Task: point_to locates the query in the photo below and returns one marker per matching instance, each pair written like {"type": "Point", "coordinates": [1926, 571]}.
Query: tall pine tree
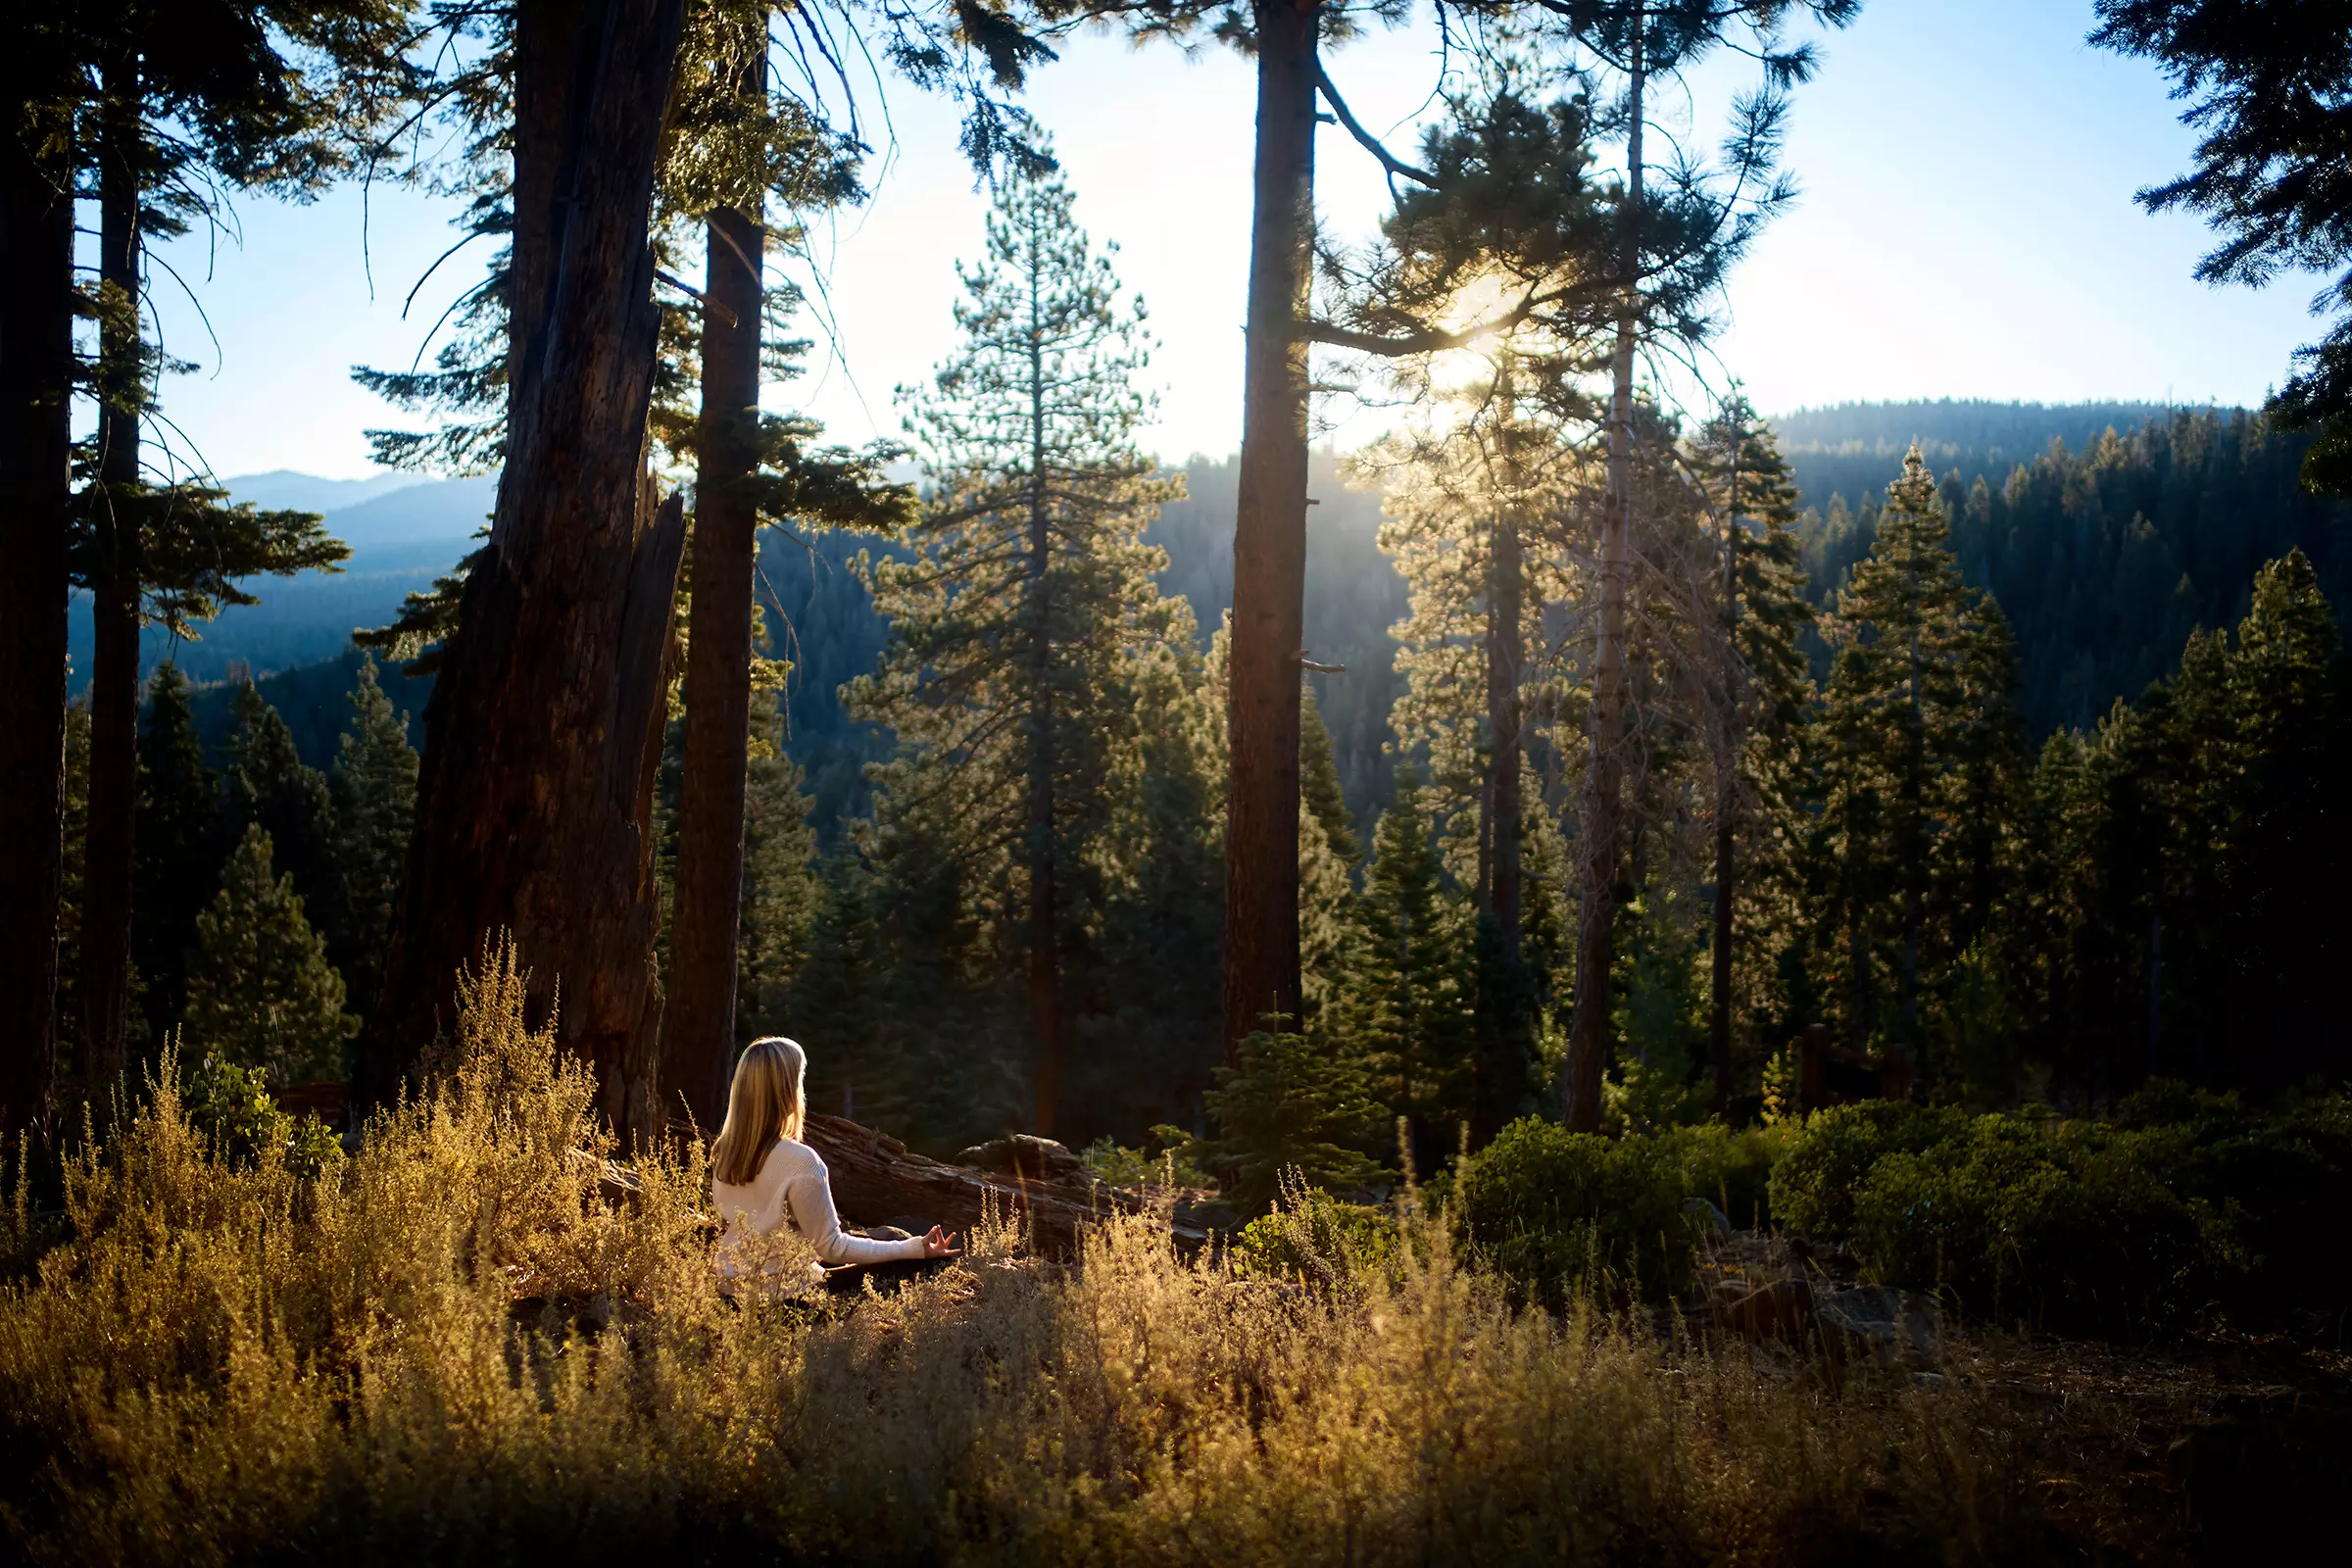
{"type": "Point", "coordinates": [1020, 624]}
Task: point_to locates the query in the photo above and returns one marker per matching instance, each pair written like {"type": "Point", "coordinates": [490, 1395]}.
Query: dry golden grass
{"type": "Point", "coordinates": [451, 1348]}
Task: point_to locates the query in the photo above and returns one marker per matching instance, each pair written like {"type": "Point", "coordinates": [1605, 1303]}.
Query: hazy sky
{"type": "Point", "coordinates": [1967, 230]}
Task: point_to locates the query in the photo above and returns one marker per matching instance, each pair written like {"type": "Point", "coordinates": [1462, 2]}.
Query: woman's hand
{"type": "Point", "coordinates": [938, 1243]}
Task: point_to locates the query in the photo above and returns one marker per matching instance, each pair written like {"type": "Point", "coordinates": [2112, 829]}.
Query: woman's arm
{"type": "Point", "coordinates": [809, 1196]}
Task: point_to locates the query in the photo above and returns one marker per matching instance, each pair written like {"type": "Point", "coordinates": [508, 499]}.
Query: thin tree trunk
{"type": "Point", "coordinates": [36, 367]}
{"type": "Point", "coordinates": [1269, 538]}
{"type": "Point", "coordinates": [105, 978]}
{"type": "Point", "coordinates": [1501, 1074]}
{"type": "Point", "coordinates": [1045, 930]}
{"type": "Point", "coordinates": [1727, 792]}
{"type": "Point", "coordinates": [1506, 654]}
{"type": "Point", "coordinates": [535, 795]}
{"type": "Point", "coordinates": [1604, 779]}
{"type": "Point", "coordinates": [2155, 993]}
{"type": "Point", "coordinates": [697, 1031]}
{"type": "Point", "coordinates": [1915, 868]}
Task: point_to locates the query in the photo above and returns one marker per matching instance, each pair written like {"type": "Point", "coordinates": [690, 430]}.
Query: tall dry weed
{"type": "Point", "coordinates": [454, 1346]}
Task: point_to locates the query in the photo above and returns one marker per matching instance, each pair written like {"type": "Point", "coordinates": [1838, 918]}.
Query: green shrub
{"type": "Point", "coordinates": [1561, 1212]}
{"type": "Point", "coordinates": [1813, 1185]}
{"type": "Point", "coordinates": [2070, 1228]}
{"type": "Point", "coordinates": [230, 1106]}
{"type": "Point", "coordinates": [2183, 1203]}
{"type": "Point", "coordinates": [1730, 1167]}
{"type": "Point", "coordinates": [1312, 1235]}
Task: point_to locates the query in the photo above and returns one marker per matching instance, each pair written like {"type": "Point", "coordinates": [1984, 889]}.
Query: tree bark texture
{"type": "Point", "coordinates": [106, 914]}
{"type": "Point", "coordinates": [697, 1030]}
{"type": "Point", "coordinates": [1044, 924]}
{"type": "Point", "coordinates": [1604, 826]}
{"type": "Point", "coordinates": [534, 801]}
{"type": "Point", "coordinates": [37, 370]}
{"type": "Point", "coordinates": [1269, 538]}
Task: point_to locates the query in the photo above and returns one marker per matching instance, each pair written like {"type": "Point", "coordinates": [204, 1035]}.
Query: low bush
{"type": "Point", "coordinates": [1314, 1238]}
{"type": "Point", "coordinates": [1563, 1215]}
{"type": "Point", "coordinates": [2185, 1204]}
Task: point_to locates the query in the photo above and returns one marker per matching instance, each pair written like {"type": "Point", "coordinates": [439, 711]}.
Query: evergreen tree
{"type": "Point", "coordinates": [177, 850]}
{"type": "Point", "coordinates": [260, 993]}
{"type": "Point", "coordinates": [1759, 698]}
{"type": "Point", "coordinates": [1020, 623]}
{"type": "Point", "coordinates": [269, 786]}
{"type": "Point", "coordinates": [1319, 783]}
{"type": "Point", "coordinates": [1407, 1005]}
{"type": "Point", "coordinates": [782, 894]}
{"type": "Point", "coordinates": [1917, 765]}
{"type": "Point", "coordinates": [373, 789]}
{"type": "Point", "coordinates": [1291, 1109]}
{"type": "Point", "coordinates": [183, 101]}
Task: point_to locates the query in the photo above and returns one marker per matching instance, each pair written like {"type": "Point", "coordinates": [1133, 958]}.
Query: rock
{"type": "Point", "coordinates": [1027, 1158]}
{"type": "Point", "coordinates": [1889, 1326]}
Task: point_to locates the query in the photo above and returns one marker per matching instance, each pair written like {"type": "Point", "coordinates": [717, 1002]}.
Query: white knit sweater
{"type": "Point", "coordinates": [792, 1188]}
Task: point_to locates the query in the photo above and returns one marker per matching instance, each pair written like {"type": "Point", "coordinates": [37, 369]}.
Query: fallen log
{"type": "Point", "coordinates": [878, 1181]}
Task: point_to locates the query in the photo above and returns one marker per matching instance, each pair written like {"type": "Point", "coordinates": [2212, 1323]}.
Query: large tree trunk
{"type": "Point", "coordinates": [534, 799]}
{"type": "Point", "coordinates": [1045, 925]}
{"type": "Point", "coordinates": [1269, 538]}
{"type": "Point", "coordinates": [36, 368]}
{"type": "Point", "coordinates": [105, 978]}
{"type": "Point", "coordinates": [1603, 827]}
{"type": "Point", "coordinates": [697, 1031]}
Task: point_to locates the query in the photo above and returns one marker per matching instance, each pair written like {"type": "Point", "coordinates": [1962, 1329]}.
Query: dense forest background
{"type": "Point", "coordinates": [2108, 531]}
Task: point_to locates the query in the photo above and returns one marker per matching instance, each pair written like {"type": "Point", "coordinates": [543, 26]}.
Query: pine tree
{"type": "Point", "coordinates": [1759, 698]}
{"type": "Point", "coordinates": [782, 894]}
{"type": "Point", "coordinates": [1407, 1005]}
{"type": "Point", "coordinates": [177, 850]}
{"type": "Point", "coordinates": [184, 101]}
{"type": "Point", "coordinates": [1012, 675]}
{"type": "Point", "coordinates": [373, 789]}
{"type": "Point", "coordinates": [269, 786]}
{"type": "Point", "coordinates": [1919, 753]}
{"type": "Point", "coordinates": [260, 993]}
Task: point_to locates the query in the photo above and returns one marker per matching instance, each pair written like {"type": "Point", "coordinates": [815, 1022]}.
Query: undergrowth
{"type": "Point", "coordinates": [453, 1346]}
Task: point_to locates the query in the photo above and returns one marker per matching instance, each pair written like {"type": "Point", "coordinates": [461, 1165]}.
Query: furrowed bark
{"type": "Point", "coordinates": [105, 978]}
{"type": "Point", "coordinates": [1269, 538]}
{"type": "Point", "coordinates": [1603, 827]}
{"type": "Point", "coordinates": [534, 809]}
{"type": "Point", "coordinates": [36, 367]}
{"type": "Point", "coordinates": [697, 1031]}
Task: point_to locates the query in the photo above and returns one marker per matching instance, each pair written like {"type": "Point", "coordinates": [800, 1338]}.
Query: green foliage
{"type": "Point", "coordinates": [1567, 1214]}
{"type": "Point", "coordinates": [1311, 1236]}
{"type": "Point", "coordinates": [1290, 1108]}
{"type": "Point", "coordinates": [1403, 1002]}
{"type": "Point", "coordinates": [261, 992]}
{"type": "Point", "coordinates": [231, 1106]}
{"type": "Point", "coordinates": [2185, 1203]}
{"type": "Point", "coordinates": [1813, 1186]}
{"type": "Point", "coordinates": [375, 792]}
{"type": "Point", "coordinates": [176, 846]}
{"type": "Point", "coordinates": [1168, 1155]}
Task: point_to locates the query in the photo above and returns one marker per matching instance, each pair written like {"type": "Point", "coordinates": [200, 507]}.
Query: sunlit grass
{"type": "Point", "coordinates": [453, 1346]}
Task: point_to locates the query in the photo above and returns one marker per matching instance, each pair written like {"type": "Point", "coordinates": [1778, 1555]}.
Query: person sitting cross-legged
{"type": "Point", "coordinates": [763, 1179]}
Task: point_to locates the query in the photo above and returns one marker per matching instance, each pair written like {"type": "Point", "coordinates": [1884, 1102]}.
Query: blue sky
{"type": "Point", "coordinates": [1967, 230]}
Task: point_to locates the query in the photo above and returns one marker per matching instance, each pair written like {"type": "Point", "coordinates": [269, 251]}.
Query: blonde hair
{"type": "Point", "coordinates": [765, 1103]}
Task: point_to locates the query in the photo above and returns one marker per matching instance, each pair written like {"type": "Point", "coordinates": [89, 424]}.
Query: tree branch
{"type": "Point", "coordinates": [1371, 144]}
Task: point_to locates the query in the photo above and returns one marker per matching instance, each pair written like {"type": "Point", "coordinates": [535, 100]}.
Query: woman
{"type": "Point", "coordinates": [763, 1177]}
